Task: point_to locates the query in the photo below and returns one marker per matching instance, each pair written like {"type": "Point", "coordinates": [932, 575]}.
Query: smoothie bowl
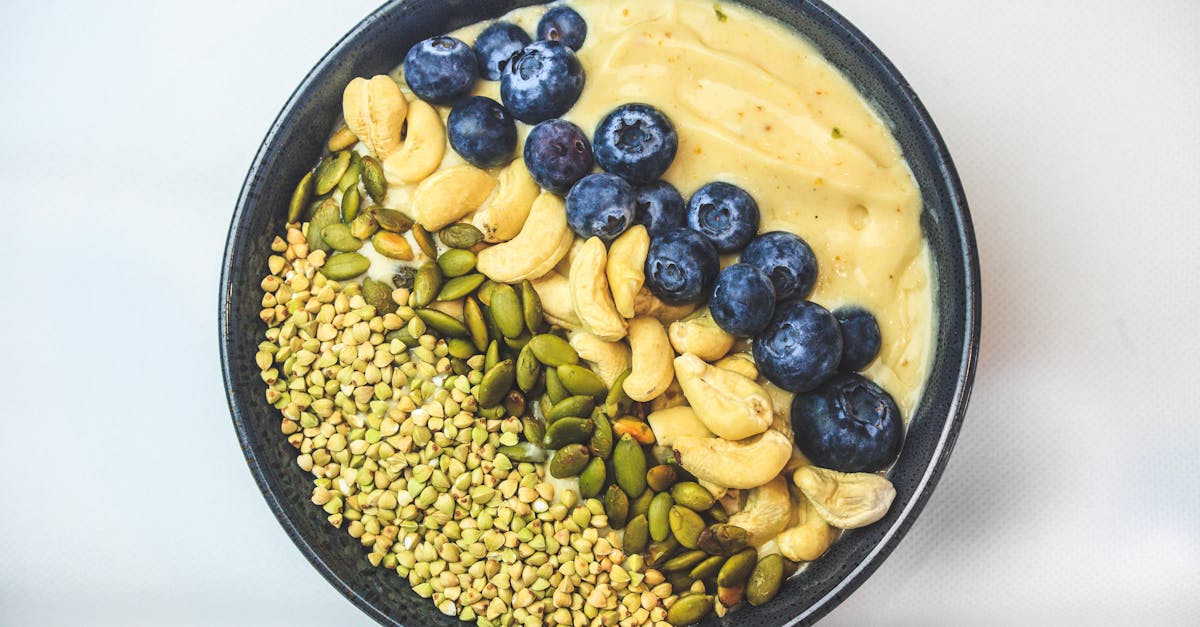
{"type": "Point", "coordinates": [599, 313]}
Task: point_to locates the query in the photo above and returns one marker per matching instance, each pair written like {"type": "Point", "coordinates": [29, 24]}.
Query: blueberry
{"type": "Point", "coordinates": [441, 69]}
{"type": "Point", "coordinates": [681, 267]}
{"type": "Point", "coordinates": [496, 45]}
{"type": "Point", "coordinates": [801, 346]}
{"type": "Point", "coordinates": [541, 81]}
{"type": "Point", "coordinates": [557, 154]}
{"type": "Point", "coordinates": [785, 258]}
{"type": "Point", "coordinates": [848, 424]}
{"type": "Point", "coordinates": [600, 205]}
{"type": "Point", "coordinates": [635, 141]}
{"type": "Point", "coordinates": [482, 132]}
{"type": "Point", "coordinates": [563, 24]}
{"type": "Point", "coordinates": [743, 300]}
{"type": "Point", "coordinates": [725, 214]}
{"type": "Point", "coordinates": [659, 207]}
{"type": "Point", "coordinates": [860, 337]}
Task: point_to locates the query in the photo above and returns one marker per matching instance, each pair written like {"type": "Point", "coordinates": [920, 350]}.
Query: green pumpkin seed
{"type": "Point", "coordinates": [693, 495]}
{"type": "Point", "coordinates": [300, 198]}
{"type": "Point", "coordinates": [533, 429]}
{"type": "Point", "coordinates": [327, 213]}
{"type": "Point", "coordinates": [690, 608]}
{"type": "Point", "coordinates": [554, 388]}
{"type": "Point", "coordinates": [424, 241]}
{"type": "Point", "coordinates": [392, 245]}
{"type": "Point", "coordinates": [460, 348]}
{"type": "Point", "coordinates": [659, 552]}
{"type": "Point", "coordinates": [723, 539]}
{"type": "Point", "coordinates": [338, 236]}
{"type": "Point", "coordinates": [684, 561]}
{"type": "Point", "coordinates": [426, 285]}
{"type": "Point", "coordinates": [455, 262]}
{"type": "Point", "coordinates": [460, 235]}
{"type": "Point", "coordinates": [444, 324]}
{"type": "Point", "coordinates": [404, 336]}
{"type": "Point", "coordinates": [686, 526]}
{"type": "Point", "coordinates": [731, 595]}
{"type": "Point", "coordinates": [473, 318]}
{"type": "Point", "coordinates": [342, 139]}
{"type": "Point", "coordinates": [350, 204]}
{"type": "Point", "coordinates": [637, 535]}
{"type": "Point", "coordinates": [506, 310]}
{"type": "Point", "coordinates": [571, 407]}
{"type": "Point", "coordinates": [616, 506]}
{"type": "Point", "coordinates": [343, 266]}
{"type": "Point", "coordinates": [567, 431]}
{"type": "Point", "coordinates": [581, 381]}
{"type": "Point", "coordinates": [391, 220]}
{"type": "Point", "coordinates": [350, 178]}
{"type": "Point", "coordinates": [660, 477]}
{"type": "Point", "coordinates": [514, 403]}
{"type": "Point", "coordinates": [553, 351]}
{"type": "Point", "coordinates": [492, 356]}
{"type": "Point", "coordinates": [737, 568]}
{"type": "Point", "coordinates": [529, 371]}
{"type": "Point", "coordinates": [329, 172]}
{"type": "Point", "coordinates": [363, 226]}
{"type": "Point", "coordinates": [764, 582]}
{"type": "Point", "coordinates": [641, 505]}
{"type": "Point", "coordinates": [460, 286]}
{"type": "Point", "coordinates": [378, 295]}
{"type": "Point", "coordinates": [718, 514]}
{"type": "Point", "coordinates": [531, 306]}
{"type": "Point", "coordinates": [617, 402]}
{"type": "Point", "coordinates": [602, 438]}
{"type": "Point", "coordinates": [568, 461]}
{"type": "Point", "coordinates": [485, 292]}
{"type": "Point", "coordinates": [373, 179]}
{"type": "Point", "coordinates": [629, 466]}
{"type": "Point", "coordinates": [708, 568]}
{"type": "Point", "coordinates": [523, 452]}
{"type": "Point", "coordinates": [517, 343]}
{"type": "Point", "coordinates": [680, 582]}
{"type": "Point", "coordinates": [591, 482]}
{"type": "Point", "coordinates": [497, 381]}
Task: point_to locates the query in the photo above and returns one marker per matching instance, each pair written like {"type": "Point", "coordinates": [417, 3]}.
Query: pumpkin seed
{"type": "Point", "coordinates": [634, 428]}
{"type": "Point", "coordinates": [690, 608]}
{"type": "Point", "coordinates": [637, 534]}
{"type": "Point", "coordinates": [497, 381]}
{"type": "Point", "coordinates": [708, 568]}
{"type": "Point", "coordinates": [629, 466]}
{"type": "Point", "coordinates": [680, 582]}
{"type": "Point", "coordinates": [444, 324]}
{"type": "Point", "coordinates": [473, 318]}
{"type": "Point", "coordinates": [485, 292]}
{"type": "Point", "coordinates": [492, 356]}
{"type": "Point", "coordinates": [571, 407]}
{"type": "Point", "coordinates": [686, 526]}
{"type": "Point", "coordinates": [517, 343]}
{"type": "Point", "coordinates": [737, 568]}
{"type": "Point", "coordinates": [764, 582]}
{"type": "Point", "coordinates": [506, 310]}
{"type": "Point", "coordinates": [523, 452]}
{"type": "Point", "coordinates": [456, 262]}
{"type": "Point", "coordinates": [591, 482]}
{"type": "Point", "coordinates": [424, 241]}
{"type": "Point", "coordinates": [363, 226]}
{"type": "Point", "coordinates": [660, 477]}
{"type": "Point", "coordinates": [684, 561]}
{"type": "Point", "coordinates": [718, 514]}
{"type": "Point", "coordinates": [343, 266]}
{"type": "Point", "coordinates": [338, 236]}
{"type": "Point", "coordinates": [391, 220]}
{"type": "Point", "coordinates": [723, 539]}
{"type": "Point", "coordinates": [568, 461]}
{"type": "Point", "coordinates": [460, 235]}
{"type": "Point", "coordinates": [602, 438]}
{"type": "Point", "coordinates": [327, 213]}
{"type": "Point", "coordinates": [350, 203]}
{"type": "Point", "coordinates": [693, 495]}
{"type": "Point", "coordinates": [350, 178]}
{"type": "Point", "coordinates": [731, 595]}
{"type": "Point", "coordinates": [617, 402]}
{"type": "Point", "coordinates": [329, 172]}
{"type": "Point", "coordinates": [373, 179]}
{"type": "Point", "coordinates": [641, 505]}
{"type": "Point", "coordinates": [616, 506]}
{"type": "Point", "coordinates": [659, 552]}
{"type": "Point", "coordinates": [426, 285]}
{"type": "Point", "coordinates": [581, 381]}
{"type": "Point", "coordinates": [460, 348]}
{"type": "Point", "coordinates": [529, 371]}
{"type": "Point", "coordinates": [554, 388]}
{"type": "Point", "coordinates": [378, 295]}
{"type": "Point", "coordinates": [567, 431]}
{"type": "Point", "coordinates": [460, 286]}
{"type": "Point", "coordinates": [533, 429]}
{"type": "Point", "coordinates": [342, 139]}
{"type": "Point", "coordinates": [404, 336]}
{"type": "Point", "coordinates": [553, 351]}
{"type": "Point", "coordinates": [392, 245]}
{"type": "Point", "coordinates": [531, 306]}
{"type": "Point", "coordinates": [300, 197]}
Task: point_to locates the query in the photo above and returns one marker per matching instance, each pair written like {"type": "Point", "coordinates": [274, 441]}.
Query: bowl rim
{"type": "Point", "coordinates": [964, 232]}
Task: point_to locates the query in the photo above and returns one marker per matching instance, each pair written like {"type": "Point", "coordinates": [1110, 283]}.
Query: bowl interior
{"type": "Point", "coordinates": [377, 44]}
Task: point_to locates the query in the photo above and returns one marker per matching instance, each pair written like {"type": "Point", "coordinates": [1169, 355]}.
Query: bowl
{"type": "Point", "coordinates": [376, 45]}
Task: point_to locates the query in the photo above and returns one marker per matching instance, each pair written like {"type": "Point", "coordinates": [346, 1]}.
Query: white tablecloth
{"type": "Point", "coordinates": [1073, 495]}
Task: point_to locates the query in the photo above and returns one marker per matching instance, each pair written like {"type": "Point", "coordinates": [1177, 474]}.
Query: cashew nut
{"type": "Point", "coordinates": [809, 538]}
{"type": "Point", "coordinates": [729, 404]}
{"type": "Point", "coordinates": [672, 397]}
{"type": "Point", "coordinates": [423, 148]}
{"type": "Point", "coordinates": [450, 194]}
{"type": "Point", "coordinates": [626, 268]}
{"type": "Point", "coordinates": [374, 110]}
{"type": "Point", "coordinates": [646, 303]}
{"type": "Point", "coordinates": [676, 422]}
{"type": "Point", "coordinates": [846, 500]}
{"type": "Point", "coordinates": [503, 215]}
{"type": "Point", "coordinates": [542, 242]}
{"type": "Point", "coordinates": [652, 370]}
{"type": "Point", "coordinates": [739, 363]}
{"type": "Point", "coordinates": [554, 291]}
{"type": "Point", "coordinates": [699, 335]}
{"type": "Point", "coordinates": [746, 463]}
{"type": "Point", "coordinates": [589, 292]}
{"type": "Point", "coordinates": [767, 512]}
{"type": "Point", "coordinates": [607, 359]}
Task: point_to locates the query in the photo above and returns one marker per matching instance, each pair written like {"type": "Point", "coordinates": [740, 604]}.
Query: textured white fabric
{"type": "Point", "coordinates": [1073, 496]}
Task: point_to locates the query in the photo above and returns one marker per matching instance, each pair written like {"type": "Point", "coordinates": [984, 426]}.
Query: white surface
{"type": "Point", "coordinates": [1073, 495]}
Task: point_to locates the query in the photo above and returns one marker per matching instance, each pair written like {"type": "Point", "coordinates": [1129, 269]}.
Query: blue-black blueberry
{"type": "Point", "coordinates": [725, 213]}
{"type": "Point", "coordinates": [681, 267]}
{"type": "Point", "coordinates": [563, 24]}
{"type": "Point", "coordinates": [743, 300]}
{"type": "Point", "coordinates": [848, 424]}
{"type": "Point", "coordinates": [860, 337]}
{"type": "Point", "coordinates": [635, 141]}
{"type": "Point", "coordinates": [659, 207]}
{"type": "Point", "coordinates": [557, 154]}
{"type": "Point", "coordinates": [542, 81]}
{"type": "Point", "coordinates": [801, 346]}
{"type": "Point", "coordinates": [441, 69]}
{"type": "Point", "coordinates": [496, 45]}
{"type": "Point", "coordinates": [482, 132]}
{"type": "Point", "coordinates": [785, 258]}
{"type": "Point", "coordinates": [600, 205]}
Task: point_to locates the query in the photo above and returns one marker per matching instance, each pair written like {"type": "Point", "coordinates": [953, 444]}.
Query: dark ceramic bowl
{"type": "Point", "coordinates": [378, 43]}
